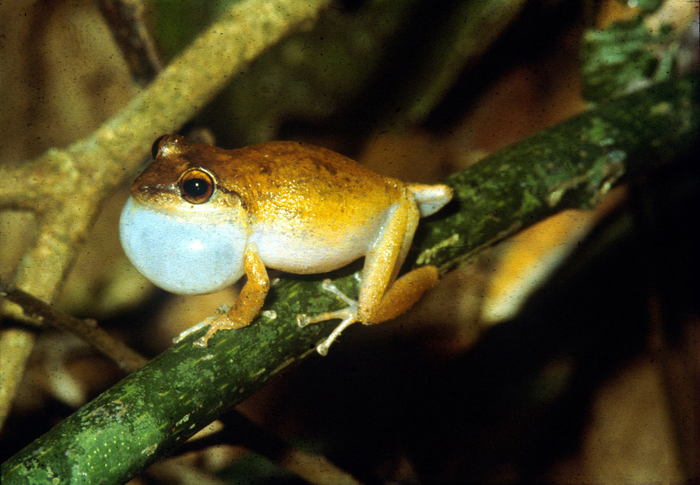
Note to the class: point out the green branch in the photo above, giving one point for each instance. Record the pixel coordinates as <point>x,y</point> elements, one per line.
<point>147,414</point>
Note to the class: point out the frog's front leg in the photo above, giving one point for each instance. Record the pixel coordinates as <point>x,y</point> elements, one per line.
<point>249,301</point>
<point>382,297</point>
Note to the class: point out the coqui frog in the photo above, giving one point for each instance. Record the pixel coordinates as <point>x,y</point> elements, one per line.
<point>200,217</point>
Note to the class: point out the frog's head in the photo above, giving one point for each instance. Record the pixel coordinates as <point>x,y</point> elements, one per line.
<point>180,228</point>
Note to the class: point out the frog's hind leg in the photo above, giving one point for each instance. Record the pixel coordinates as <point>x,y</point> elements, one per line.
<point>404,293</point>
<point>379,300</point>
<point>382,297</point>
<point>384,259</point>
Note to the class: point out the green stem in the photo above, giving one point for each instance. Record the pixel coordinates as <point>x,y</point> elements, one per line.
<point>150,412</point>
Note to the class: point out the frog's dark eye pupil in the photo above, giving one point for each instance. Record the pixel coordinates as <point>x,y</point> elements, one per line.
<point>196,186</point>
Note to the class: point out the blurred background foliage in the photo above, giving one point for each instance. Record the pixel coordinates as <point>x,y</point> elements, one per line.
<point>416,90</point>
<point>363,65</point>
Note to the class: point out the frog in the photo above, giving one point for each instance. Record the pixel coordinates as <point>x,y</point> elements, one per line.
<point>200,217</point>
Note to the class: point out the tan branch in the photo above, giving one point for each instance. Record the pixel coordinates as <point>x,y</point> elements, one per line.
<point>72,183</point>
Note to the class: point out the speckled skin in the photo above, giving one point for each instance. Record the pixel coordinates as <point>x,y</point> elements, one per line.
<point>309,209</point>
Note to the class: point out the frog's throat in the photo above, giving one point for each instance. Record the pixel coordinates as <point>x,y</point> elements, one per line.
<point>180,254</point>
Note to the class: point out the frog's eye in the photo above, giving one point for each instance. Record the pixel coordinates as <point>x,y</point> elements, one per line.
<point>196,186</point>
<point>155,148</point>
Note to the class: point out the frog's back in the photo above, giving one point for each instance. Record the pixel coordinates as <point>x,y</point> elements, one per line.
<point>285,175</point>
<point>292,166</point>
<point>307,209</point>
<point>310,209</point>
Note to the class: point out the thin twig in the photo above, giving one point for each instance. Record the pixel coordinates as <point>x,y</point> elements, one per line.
<point>314,468</point>
<point>125,357</point>
<point>125,20</point>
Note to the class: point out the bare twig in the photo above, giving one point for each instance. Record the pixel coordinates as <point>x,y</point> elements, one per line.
<point>125,20</point>
<point>313,468</point>
<point>126,358</point>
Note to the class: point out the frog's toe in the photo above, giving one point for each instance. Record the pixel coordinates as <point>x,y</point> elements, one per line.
<point>351,318</point>
<point>348,316</point>
<point>204,323</point>
<point>346,313</point>
<point>329,286</point>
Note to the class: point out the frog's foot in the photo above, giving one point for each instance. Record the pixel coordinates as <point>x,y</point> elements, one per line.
<point>220,321</point>
<point>204,323</point>
<point>348,316</point>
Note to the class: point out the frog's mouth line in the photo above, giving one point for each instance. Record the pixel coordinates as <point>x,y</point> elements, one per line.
<point>170,204</point>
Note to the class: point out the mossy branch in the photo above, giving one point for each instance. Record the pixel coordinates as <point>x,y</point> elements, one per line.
<point>150,412</point>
